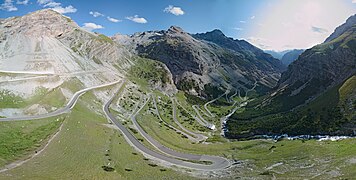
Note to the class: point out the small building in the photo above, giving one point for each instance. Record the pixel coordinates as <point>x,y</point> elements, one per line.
<point>211,126</point>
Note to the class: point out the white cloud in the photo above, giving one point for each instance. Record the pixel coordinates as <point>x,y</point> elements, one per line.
<point>8,5</point>
<point>174,10</point>
<point>353,1</point>
<point>91,26</point>
<point>52,4</point>
<point>252,17</point>
<point>137,19</point>
<point>24,2</point>
<point>238,29</point>
<point>96,14</point>
<point>243,22</point>
<point>42,2</point>
<point>319,29</point>
<point>289,24</point>
<point>259,42</point>
<point>64,10</point>
<point>113,19</point>
<point>56,6</point>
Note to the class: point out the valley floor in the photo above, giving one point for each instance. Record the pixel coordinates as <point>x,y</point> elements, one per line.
<point>88,146</point>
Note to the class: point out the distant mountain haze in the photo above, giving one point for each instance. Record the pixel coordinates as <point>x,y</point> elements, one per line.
<point>277,54</point>
<point>291,56</point>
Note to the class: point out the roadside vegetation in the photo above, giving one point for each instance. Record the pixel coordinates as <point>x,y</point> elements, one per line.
<point>324,115</point>
<point>148,72</point>
<point>23,138</point>
<point>10,100</point>
<point>86,148</point>
<point>267,158</point>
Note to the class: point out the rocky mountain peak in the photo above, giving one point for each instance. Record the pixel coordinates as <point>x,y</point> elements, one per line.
<point>175,29</point>
<point>218,37</point>
<point>44,22</point>
<point>49,12</point>
<point>217,32</point>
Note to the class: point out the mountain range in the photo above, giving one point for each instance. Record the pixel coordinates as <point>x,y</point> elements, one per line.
<point>201,62</point>
<point>286,56</point>
<point>291,56</point>
<point>315,94</point>
<point>277,54</point>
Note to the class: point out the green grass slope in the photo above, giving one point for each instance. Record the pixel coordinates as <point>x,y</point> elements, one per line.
<point>22,138</point>
<point>327,114</point>
<point>87,149</point>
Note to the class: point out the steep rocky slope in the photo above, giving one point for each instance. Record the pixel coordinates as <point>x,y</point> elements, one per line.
<point>56,42</point>
<point>341,29</point>
<point>46,42</point>
<point>310,96</point>
<point>199,63</point>
<point>332,62</point>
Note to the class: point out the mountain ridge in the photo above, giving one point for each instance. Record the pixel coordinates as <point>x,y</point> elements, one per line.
<point>308,98</point>
<point>196,63</point>
<point>342,28</point>
<point>291,56</point>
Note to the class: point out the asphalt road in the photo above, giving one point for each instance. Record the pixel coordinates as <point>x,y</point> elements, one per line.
<point>199,137</point>
<point>206,104</point>
<point>201,120</point>
<point>170,126</point>
<point>60,111</point>
<point>168,156</point>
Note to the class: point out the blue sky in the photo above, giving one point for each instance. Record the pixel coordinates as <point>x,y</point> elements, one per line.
<point>268,24</point>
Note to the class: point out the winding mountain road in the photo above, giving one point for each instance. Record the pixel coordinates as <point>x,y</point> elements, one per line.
<point>201,120</point>
<point>230,99</point>
<point>198,137</point>
<point>60,111</point>
<point>170,126</point>
<point>242,104</point>
<point>194,116</point>
<point>22,79</point>
<point>168,156</point>
<point>211,101</point>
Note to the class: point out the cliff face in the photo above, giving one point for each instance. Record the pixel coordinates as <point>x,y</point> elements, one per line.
<point>197,61</point>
